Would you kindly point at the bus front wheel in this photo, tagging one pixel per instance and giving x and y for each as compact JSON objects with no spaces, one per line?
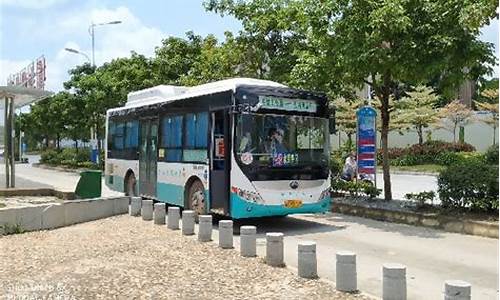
{"x":196,"y":198}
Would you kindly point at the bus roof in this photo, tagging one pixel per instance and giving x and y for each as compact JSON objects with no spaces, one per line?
{"x":168,"y":93}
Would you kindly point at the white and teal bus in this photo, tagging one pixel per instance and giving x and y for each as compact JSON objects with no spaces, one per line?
{"x":239,"y":147}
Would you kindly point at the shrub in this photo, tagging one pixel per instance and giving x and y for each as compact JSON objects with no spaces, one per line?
{"x":470,"y":184}
{"x":425,"y":153}
{"x":421,"y":198}
{"x":355,"y":188}
{"x":50,"y":157}
{"x":491,"y":155}
{"x":335,"y":163}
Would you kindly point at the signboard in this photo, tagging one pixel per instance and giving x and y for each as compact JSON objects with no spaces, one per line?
{"x":366,"y":142}
{"x":219,"y":147}
{"x":32,"y":76}
{"x":270,"y":102}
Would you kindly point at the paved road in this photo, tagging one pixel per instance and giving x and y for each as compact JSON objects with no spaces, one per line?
{"x":28,"y":176}
{"x":431,"y":256}
{"x":402,"y":184}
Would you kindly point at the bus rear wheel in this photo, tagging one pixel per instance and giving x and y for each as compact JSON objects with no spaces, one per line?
{"x":196,"y":198}
{"x":130,"y":187}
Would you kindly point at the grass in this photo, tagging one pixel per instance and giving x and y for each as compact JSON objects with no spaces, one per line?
{"x":2,"y":205}
{"x":432,"y":168}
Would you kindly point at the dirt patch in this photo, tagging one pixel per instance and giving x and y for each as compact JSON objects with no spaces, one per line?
{"x":124,"y":257}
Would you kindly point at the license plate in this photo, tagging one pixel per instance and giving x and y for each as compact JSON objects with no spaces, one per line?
{"x":293,"y":203}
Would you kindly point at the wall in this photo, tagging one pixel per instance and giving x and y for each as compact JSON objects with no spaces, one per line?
{"x":477,"y":133}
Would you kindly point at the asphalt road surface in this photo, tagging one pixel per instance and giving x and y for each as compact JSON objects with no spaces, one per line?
{"x":431,"y":256}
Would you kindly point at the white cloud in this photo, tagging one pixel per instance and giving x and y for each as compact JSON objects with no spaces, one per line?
{"x":111,"y":41}
{"x":31,"y":4}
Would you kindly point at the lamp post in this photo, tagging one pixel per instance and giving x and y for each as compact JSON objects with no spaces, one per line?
{"x":92,"y":34}
{"x":78,"y":52}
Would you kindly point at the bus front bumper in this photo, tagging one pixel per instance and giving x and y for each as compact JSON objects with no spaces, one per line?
{"x":241,"y":208}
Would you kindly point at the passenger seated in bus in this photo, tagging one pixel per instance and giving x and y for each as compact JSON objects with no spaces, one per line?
{"x":275,"y":141}
{"x":246,"y":143}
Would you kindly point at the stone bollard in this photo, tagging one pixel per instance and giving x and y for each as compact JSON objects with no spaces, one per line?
{"x":205,"y":228}
{"x":147,"y":210}
{"x":248,"y":241}
{"x":346,"y":276}
{"x":135,"y":206}
{"x":173,"y":218}
{"x":226,"y":234}
{"x":274,"y":249}
{"x":457,"y":290}
{"x":307,"y":263}
{"x":159,"y":213}
{"x":188,"y":222}
{"x":394,"y":282}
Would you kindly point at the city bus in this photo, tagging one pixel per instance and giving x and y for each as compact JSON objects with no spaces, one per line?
{"x":239,"y":147}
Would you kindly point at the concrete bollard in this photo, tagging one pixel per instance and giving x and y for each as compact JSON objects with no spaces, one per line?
{"x":135,"y":206}
{"x":457,"y":290}
{"x":274,"y":249}
{"x":394,"y":282}
{"x":205,"y":228}
{"x":226,"y":234}
{"x":346,"y":276}
{"x":307,"y":263}
{"x":173,"y":218}
{"x":147,"y":210}
{"x":248,"y":241}
{"x":188,"y":222}
{"x":159,"y":213}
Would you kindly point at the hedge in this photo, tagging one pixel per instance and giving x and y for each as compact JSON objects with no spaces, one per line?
{"x":471,"y":184}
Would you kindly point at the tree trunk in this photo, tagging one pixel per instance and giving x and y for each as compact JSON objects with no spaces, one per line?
{"x":494,"y":134}
{"x":385,"y":149}
{"x":385,"y":116}
{"x":420,"y":135}
{"x":455,"y":133}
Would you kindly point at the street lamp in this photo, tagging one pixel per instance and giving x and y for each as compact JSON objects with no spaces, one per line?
{"x":91,"y":32}
{"x":77,"y":52}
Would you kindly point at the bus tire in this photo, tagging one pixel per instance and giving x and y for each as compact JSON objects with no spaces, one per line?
{"x":130,"y":185}
{"x":196,"y":198}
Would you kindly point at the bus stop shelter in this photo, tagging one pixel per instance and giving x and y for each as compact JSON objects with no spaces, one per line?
{"x":14,"y":97}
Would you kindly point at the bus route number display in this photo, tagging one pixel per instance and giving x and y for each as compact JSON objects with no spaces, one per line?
{"x":269,"y":102}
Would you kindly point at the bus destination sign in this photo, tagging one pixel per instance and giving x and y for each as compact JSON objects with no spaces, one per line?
{"x":269,"y":102}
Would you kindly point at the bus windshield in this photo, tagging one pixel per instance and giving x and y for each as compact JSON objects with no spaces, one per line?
{"x":281,"y":141}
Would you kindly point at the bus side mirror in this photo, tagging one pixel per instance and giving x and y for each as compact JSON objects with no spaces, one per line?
{"x":331,"y":126}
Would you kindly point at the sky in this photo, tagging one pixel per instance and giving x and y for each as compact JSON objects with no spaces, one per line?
{"x":30,"y":28}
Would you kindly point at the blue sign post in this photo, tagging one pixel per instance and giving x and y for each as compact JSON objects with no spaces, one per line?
{"x":366,"y":142}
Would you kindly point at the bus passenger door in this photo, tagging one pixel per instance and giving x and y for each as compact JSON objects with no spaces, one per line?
{"x":148,"y":153}
{"x":219,"y":161}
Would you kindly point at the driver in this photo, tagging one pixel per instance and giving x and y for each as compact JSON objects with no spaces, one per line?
{"x":276,"y":141}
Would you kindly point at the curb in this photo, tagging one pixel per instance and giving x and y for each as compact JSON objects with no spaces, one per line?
{"x":411,"y":173}
{"x":435,"y":221}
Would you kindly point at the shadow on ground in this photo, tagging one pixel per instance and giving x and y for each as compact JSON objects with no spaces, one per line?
{"x":403,"y":229}
{"x":290,"y":226}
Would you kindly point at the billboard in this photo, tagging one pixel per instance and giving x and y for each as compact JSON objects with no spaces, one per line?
{"x":366,"y":142}
{"x":32,"y":76}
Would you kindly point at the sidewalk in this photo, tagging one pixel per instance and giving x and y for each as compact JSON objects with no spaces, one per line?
{"x":28,"y":176}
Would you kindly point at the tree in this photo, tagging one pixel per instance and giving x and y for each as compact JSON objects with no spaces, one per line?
{"x":381,"y":43}
{"x":417,"y":109}
{"x":455,"y":114}
{"x":345,"y":115}
{"x":492,"y":119}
